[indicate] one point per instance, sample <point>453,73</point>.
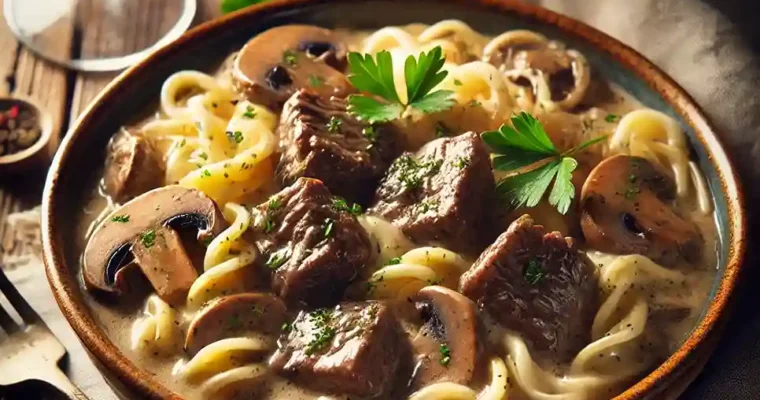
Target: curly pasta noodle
<point>495,390</point>
<point>157,331</point>
<point>657,137</point>
<point>222,268</point>
<point>217,145</point>
<point>387,240</point>
<point>225,363</point>
<point>416,269</point>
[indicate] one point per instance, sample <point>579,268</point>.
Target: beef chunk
<point>537,284</point>
<point>319,139</point>
<point>133,167</point>
<point>313,247</point>
<point>352,349</point>
<point>438,194</point>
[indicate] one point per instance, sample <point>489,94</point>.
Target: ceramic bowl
<point>83,149</point>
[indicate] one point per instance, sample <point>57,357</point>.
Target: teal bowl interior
<point>82,153</point>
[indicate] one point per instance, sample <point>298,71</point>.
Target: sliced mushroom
<point>141,234</point>
<point>276,63</point>
<point>447,346</point>
<point>234,316</point>
<point>627,207</point>
<point>132,167</point>
<point>539,71</point>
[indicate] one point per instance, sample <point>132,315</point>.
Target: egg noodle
<point>210,142</point>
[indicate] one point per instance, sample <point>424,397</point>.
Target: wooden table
<point>64,94</point>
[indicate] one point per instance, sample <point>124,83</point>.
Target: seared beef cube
<point>440,194</point>
<point>538,284</point>
<point>311,243</point>
<point>132,167</point>
<point>319,139</point>
<point>352,349</point>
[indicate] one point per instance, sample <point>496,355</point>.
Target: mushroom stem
<point>166,264</point>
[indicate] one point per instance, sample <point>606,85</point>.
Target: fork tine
<point>6,322</point>
<point>14,297</point>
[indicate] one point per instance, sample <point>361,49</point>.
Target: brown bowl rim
<point>67,291</point>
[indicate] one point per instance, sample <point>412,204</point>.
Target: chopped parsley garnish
<point>534,273</point>
<point>323,332</point>
<point>183,143</point>
<point>612,118</point>
<point>290,57</point>
<point>425,206</point>
<point>316,81</point>
<point>249,113</point>
<point>528,145</point>
<point>286,327</point>
<point>274,204</point>
<point>207,240</point>
<point>333,126</point>
<point>341,205</point>
<point>370,133</point>
<point>203,156</point>
<point>633,188</point>
<point>412,172</point>
<point>394,261</point>
<point>148,238</point>
<point>475,103</point>
<point>445,354</point>
<point>441,130</point>
<point>631,192</point>
<point>124,218</point>
<point>461,162</point>
<point>205,173</point>
<point>457,82</point>
<point>375,76</point>
<point>237,136</point>
<point>268,225</point>
<point>278,258</point>
<point>329,227</point>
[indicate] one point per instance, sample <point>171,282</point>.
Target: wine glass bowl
<point>97,35</point>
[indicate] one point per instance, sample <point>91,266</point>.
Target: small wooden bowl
<point>38,155</point>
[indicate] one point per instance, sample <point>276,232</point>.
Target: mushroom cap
<point>450,319</point>
<point>109,248</point>
<point>627,206</point>
<point>232,316</point>
<point>566,71</point>
<point>277,62</point>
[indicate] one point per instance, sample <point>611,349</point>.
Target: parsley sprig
<point>527,150</point>
<point>375,76</point>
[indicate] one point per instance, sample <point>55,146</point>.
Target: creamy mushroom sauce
<point>666,328</point>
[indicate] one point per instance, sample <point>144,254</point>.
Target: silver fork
<point>30,352</point>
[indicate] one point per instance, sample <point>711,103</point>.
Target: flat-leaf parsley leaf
<point>375,76</point>
<point>526,150</point>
